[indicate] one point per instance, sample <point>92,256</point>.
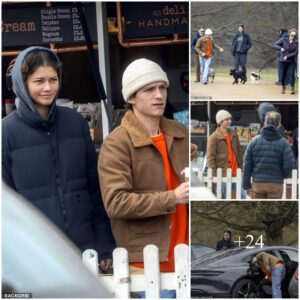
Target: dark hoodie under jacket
<point>268,158</point>
<point>265,107</point>
<point>53,164</point>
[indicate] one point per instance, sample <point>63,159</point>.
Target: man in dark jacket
<point>263,109</point>
<point>51,161</point>
<point>240,45</point>
<point>268,159</point>
<point>196,37</point>
<point>225,243</point>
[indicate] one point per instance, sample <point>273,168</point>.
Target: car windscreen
<point>209,258</point>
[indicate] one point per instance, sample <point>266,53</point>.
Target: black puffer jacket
<point>268,158</point>
<point>53,164</point>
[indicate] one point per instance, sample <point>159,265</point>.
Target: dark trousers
<point>288,77</point>
<point>288,68</point>
<point>240,60</point>
<point>197,66</point>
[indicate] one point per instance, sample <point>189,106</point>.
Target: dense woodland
<point>262,21</point>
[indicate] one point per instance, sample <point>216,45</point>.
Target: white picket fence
<point>121,283</point>
<point>209,179</point>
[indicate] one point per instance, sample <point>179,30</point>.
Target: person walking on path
<point>204,48</point>
<point>196,37</point>
<point>288,47</point>
<point>241,44</point>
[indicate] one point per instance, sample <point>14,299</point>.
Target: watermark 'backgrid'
<point>16,295</point>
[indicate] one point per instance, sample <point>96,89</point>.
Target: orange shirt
<point>232,160</point>
<point>208,48</point>
<point>179,219</point>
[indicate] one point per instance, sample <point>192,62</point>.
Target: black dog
<point>238,75</point>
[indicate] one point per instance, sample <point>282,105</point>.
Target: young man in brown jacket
<point>204,48</point>
<point>273,268</point>
<point>224,149</point>
<point>140,168</point>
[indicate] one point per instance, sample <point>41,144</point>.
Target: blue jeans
<point>277,277</point>
<point>233,189</point>
<point>204,66</point>
<point>163,294</point>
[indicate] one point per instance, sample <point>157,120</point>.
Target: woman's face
<point>225,124</point>
<point>240,29</point>
<point>226,236</point>
<point>293,35</point>
<point>43,85</point>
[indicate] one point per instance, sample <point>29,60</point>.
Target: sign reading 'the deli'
<point>154,19</point>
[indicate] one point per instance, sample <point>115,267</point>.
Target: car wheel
<point>246,288</point>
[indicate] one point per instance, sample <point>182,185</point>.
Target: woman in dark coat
<point>49,158</point>
<point>225,243</point>
<point>241,44</point>
<point>288,47</point>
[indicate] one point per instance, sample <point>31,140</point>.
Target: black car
<point>199,249</point>
<point>229,274</point>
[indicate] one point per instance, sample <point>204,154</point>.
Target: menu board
<point>45,25</point>
<point>153,19</point>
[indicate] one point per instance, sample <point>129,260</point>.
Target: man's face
<point>226,123</point>
<point>240,29</point>
<point>150,100</point>
<point>201,32</point>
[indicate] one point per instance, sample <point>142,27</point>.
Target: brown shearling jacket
<point>267,260</point>
<point>217,152</point>
<point>133,184</point>
<point>201,45</point>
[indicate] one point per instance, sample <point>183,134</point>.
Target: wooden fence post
<point>219,183</point>
<point>209,179</point>
<point>90,260</point>
<point>182,271</point>
<point>228,184</point>
<point>121,273</point>
<point>294,184</point>
<point>284,189</point>
<point>152,272</point>
<point>239,184</point>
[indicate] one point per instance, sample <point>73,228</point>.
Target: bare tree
<point>267,217</point>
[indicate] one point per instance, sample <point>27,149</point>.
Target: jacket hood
<point>20,87</point>
<point>270,133</point>
<point>263,109</point>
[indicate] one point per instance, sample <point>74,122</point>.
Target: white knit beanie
<point>222,115</point>
<point>208,31</point>
<point>140,73</point>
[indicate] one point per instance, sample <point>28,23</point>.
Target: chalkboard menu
<point>45,25</point>
<point>152,19</point>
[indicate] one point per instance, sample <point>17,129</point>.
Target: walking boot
<point>283,89</point>
<point>293,90</point>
